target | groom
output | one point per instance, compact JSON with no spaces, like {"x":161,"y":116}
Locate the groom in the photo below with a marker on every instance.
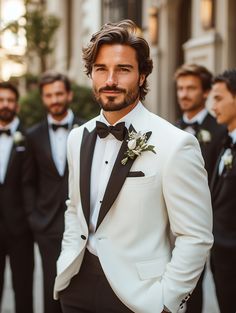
{"x":134,"y":180}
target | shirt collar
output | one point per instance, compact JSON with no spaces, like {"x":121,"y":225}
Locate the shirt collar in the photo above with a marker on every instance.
{"x":199,"y":117}
{"x":67,"y":119}
{"x":233,"y":135}
{"x":13,"y":125}
{"x":128,"y":118}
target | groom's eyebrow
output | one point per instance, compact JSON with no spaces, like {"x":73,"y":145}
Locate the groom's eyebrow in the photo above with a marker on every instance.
{"x":118,"y":65}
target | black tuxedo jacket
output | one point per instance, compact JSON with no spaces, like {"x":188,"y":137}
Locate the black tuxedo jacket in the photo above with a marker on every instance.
{"x":224,"y":204}
{"x":210,"y":150}
{"x":16,"y":199}
{"x":51,"y":189}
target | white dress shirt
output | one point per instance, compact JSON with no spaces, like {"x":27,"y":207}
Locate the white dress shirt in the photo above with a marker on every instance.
{"x":199,"y":117}
{"x":58,"y":140}
{"x":105,"y":153}
{"x":6,"y":143}
{"x":227,"y":152}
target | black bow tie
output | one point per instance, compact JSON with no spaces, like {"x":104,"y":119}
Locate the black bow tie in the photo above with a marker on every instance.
{"x":194,"y":125}
{"x":118,"y":131}
{"x":56,"y":126}
{"x":5,"y":131}
{"x":228,"y":143}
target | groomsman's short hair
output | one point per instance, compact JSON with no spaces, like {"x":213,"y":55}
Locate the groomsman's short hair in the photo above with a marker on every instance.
{"x":196,"y":70}
{"x":229,"y":78}
{"x":10,"y":86}
{"x":125,"y":33}
{"x":50,"y":77}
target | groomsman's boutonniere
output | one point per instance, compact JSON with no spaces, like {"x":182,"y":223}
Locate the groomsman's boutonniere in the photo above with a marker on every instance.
{"x":137,"y":143}
{"x":18,"y":138}
{"x":204,"y":136}
{"x":227,"y":158}
{"x":75,"y":126}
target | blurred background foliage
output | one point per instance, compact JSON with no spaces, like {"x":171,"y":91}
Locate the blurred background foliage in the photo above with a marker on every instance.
{"x":39,"y":28}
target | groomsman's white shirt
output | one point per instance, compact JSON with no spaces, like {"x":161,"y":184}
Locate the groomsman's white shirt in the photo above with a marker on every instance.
{"x":6,"y":143}
{"x":197,"y":118}
{"x":58,"y":140}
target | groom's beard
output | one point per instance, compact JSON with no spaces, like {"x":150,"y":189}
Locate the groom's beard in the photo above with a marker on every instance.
{"x":111,"y":103}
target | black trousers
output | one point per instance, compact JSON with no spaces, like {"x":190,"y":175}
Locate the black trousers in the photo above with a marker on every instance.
{"x":223,"y":263}
{"x":49,"y":248}
{"x":90,"y":292}
{"x":194,"y":304}
{"x":20,"y":250}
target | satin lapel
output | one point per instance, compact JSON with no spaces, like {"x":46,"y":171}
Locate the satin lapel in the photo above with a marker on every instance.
{"x":46,"y":145}
{"x":86,"y":157}
{"x":75,"y":123}
{"x":214,"y":186}
{"x":117,"y":178}
{"x":12,"y":152}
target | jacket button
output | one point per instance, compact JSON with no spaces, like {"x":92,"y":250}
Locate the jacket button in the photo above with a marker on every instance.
{"x":83,"y":237}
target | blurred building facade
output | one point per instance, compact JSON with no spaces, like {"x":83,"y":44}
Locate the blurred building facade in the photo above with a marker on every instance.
{"x":178,"y":31}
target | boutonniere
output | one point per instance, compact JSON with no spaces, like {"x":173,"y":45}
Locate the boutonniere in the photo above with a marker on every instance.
{"x":75,"y":126}
{"x":18,"y":138}
{"x":204,"y":136}
{"x":137,"y":143}
{"x":227,"y":158}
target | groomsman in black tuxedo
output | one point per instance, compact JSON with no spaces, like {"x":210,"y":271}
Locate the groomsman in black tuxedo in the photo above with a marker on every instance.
{"x":224,"y":196}
{"x":16,"y":240}
{"x":48,"y":141}
{"x":193,"y":84}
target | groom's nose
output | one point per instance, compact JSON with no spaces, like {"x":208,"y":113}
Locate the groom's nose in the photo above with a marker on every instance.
{"x":112,"y":79}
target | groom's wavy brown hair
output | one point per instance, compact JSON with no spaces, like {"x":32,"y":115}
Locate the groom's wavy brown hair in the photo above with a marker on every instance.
{"x":125,"y":33}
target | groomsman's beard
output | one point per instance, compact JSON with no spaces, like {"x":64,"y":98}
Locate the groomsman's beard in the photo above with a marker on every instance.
{"x":110,"y":105}
{"x":62,"y":109}
{"x":7,"y":115}
{"x":194,"y":106}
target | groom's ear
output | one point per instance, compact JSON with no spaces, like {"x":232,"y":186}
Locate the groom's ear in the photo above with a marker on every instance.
{"x":141,"y":79}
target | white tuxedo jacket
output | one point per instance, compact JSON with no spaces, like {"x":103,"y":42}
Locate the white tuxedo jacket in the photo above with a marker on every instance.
{"x":137,"y":216}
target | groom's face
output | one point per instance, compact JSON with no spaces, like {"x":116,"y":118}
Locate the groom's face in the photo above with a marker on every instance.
{"x":116,"y":78}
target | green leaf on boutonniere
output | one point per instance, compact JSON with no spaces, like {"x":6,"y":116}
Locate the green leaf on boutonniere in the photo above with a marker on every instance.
{"x":137,"y":143}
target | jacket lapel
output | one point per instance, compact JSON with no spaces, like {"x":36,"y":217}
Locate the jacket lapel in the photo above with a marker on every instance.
{"x":12,"y":153}
{"x":117,"y":178}
{"x":215,"y":181}
{"x":86,"y":157}
{"x":46,"y":145}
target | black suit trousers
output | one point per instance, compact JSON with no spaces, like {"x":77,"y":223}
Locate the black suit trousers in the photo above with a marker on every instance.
{"x":90,"y":292}
{"x":49,"y":248}
{"x":223,"y":264}
{"x":20,"y":250}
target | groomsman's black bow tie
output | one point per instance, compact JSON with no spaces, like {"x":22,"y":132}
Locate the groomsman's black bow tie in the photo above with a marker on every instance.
{"x":228,"y":143}
{"x":194,"y":125}
{"x":56,"y":126}
{"x":118,"y":131}
{"x":5,"y":131}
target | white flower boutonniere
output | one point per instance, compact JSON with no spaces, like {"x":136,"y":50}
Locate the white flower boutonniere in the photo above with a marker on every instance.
{"x":227,"y":158}
{"x":75,"y":126}
{"x":204,"y":136}
{"x":18,"y":138}
{"x":137,"y":143}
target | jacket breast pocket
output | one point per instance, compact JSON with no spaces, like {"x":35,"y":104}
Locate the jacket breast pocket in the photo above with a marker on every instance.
{"x":153,"y":268}
{"x":141,"y":180}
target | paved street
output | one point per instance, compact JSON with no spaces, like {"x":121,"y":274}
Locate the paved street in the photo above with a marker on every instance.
{"x":210,"y":304}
